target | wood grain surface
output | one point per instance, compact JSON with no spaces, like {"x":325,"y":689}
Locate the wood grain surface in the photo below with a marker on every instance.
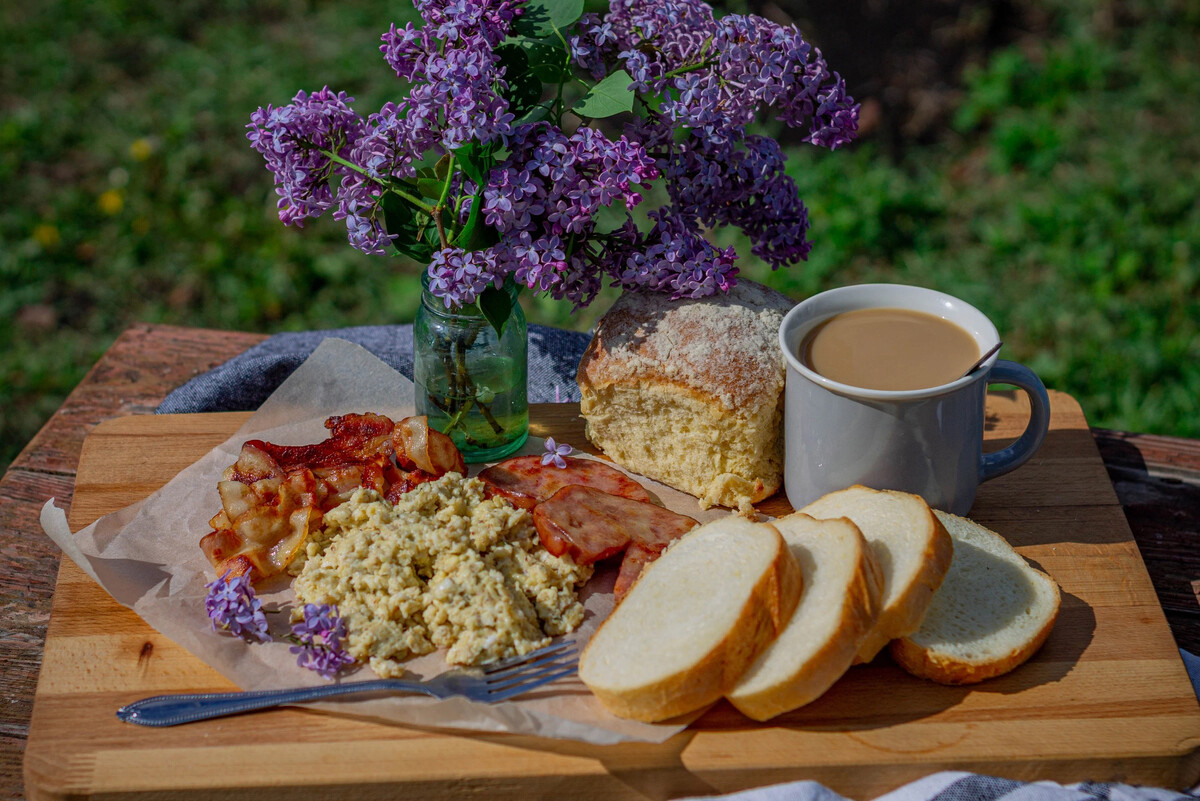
{"x":1106,"y":698}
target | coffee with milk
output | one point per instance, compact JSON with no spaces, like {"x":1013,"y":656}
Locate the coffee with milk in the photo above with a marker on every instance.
{"x":889,"y":349}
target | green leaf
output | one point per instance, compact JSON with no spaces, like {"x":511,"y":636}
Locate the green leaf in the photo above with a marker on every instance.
{"x":653,"y":102}
{"x":442,"y":167}
{"x":430,"y":187}
{"x":544,"y":17}
{"x":513,"y":58}
{"x":534,"y":114}
{"x":475,"y":161}
{"x":496,"y":307}
{"x":524,"y":92}
{"x":548,"y":60}
{"x":427,"y":161}
{"x":404,"y":222}
{"x":475,"y":235}
{"x":609,"y":97}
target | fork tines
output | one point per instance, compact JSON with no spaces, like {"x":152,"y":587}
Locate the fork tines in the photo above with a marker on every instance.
{"x":524,"y":673}
{"x":538,"y":657}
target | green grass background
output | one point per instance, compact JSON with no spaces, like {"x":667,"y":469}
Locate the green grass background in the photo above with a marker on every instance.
{"x":1061,"y":199}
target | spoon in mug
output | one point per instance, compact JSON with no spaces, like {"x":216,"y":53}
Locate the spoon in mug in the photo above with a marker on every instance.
{"x":983,"y":359}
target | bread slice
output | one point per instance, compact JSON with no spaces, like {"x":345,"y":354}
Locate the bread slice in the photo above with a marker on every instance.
{"x":842,"y":588}
{"x":694,"y":621}
{"x":993,"y":611}
{"x":913,"y":548}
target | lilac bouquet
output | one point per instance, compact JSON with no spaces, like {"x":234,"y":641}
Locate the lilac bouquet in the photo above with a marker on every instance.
{"x":531,"y":130}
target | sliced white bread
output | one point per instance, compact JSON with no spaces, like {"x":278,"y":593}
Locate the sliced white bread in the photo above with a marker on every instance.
{"x":842,"y":588}
{"x":694,"y":621}
{"x":993,"y":611}
{"x":913,"y":549}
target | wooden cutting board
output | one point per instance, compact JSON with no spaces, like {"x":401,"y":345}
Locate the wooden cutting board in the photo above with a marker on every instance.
{"x":1107,"y":698}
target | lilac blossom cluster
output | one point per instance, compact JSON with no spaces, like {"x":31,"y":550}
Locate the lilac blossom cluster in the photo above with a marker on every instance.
{"x":714,"y":75}
{"x":673,"y":257}
{"x":232,"y":606}
{"x":457,"y":80}
{"x":292,"y":139}
{"x":742,"y":184}
{"x":319,"y":637}
{"x":544,"y":201}
{"x":702,"y":81}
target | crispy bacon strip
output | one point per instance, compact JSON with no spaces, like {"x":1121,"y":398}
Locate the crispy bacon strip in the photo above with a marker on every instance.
{"x":275,"y":494}
{"x":353,"y":439}
{"x":526,"y":482}
{"x":426,"y":449}
{"x":269,"y":522}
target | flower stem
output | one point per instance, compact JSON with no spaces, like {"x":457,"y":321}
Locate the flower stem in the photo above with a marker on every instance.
{"x":391,"y":187}
{"x":699,"y":65}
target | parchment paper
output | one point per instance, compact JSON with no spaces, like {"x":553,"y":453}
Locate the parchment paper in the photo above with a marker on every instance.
{"x":147,"y":557}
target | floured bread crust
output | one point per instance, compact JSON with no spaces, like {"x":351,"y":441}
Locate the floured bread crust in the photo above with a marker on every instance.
{"x":690,"y":392}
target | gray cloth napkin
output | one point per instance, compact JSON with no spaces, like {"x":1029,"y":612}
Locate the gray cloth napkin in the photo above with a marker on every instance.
{"x":957,"y":786}
{"x":246,"y":380}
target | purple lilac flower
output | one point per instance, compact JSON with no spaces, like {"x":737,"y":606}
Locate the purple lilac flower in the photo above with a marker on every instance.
{"x":358,"y":204}
{"x":547,"y":194}
{"x":553,"y":184}
{"x":673,"y":257}
{"x":743,"y":185}
{"x":456,"y":77}
{"x":291,"y":139}
{"x":319,"y":641}
{"x":455,"y":98}
{"x":714,"y":75}
{"x":452,"y":18}
{"x":232,"y":606}
{"x":539,"y":265}
{"x":711,"y":77}
{"x":554,"y":453}
{"x":459,"y":276}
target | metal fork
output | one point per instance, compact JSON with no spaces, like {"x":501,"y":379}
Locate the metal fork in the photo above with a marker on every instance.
{"x":490,"y":684}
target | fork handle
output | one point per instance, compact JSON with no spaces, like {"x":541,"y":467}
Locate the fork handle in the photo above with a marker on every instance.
{"x":170,"y":710}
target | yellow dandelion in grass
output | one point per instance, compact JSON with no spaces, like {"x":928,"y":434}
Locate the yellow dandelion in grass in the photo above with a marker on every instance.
{"x":141,"y":149}
{"x":47,"y":235}
{"x":111,"y":202}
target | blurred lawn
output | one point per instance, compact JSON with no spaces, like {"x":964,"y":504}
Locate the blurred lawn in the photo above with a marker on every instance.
{"x":1062,"y":201}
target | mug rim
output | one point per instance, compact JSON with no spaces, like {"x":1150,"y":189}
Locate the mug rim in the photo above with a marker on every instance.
{"x":895,"y":395}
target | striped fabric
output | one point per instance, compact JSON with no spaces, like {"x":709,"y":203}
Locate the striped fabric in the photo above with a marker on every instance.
{"x":958,"y":786}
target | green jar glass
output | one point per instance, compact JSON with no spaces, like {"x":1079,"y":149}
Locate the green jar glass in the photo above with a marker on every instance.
{"x":470,"y":381}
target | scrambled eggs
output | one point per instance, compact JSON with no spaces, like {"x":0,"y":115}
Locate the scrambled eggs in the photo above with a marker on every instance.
{"x":443,"y":567}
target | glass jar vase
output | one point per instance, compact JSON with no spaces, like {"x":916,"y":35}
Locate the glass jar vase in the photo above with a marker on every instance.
{"x":470,"y":381}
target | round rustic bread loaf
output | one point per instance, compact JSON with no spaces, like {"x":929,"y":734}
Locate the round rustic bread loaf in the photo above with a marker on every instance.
{"x":690,"y":392}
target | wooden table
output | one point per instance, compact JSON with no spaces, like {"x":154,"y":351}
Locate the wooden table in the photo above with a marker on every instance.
{"x":1156,"y":478}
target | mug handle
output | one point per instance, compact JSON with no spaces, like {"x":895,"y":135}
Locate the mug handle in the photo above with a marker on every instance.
{"x":1015,"y":455}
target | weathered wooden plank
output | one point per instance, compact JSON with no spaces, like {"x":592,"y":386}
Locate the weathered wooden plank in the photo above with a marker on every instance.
{"x":144,"y":364}
{"x":27,"y":566}
{"x":136,"y":373}
{"x":1157,"y":480}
